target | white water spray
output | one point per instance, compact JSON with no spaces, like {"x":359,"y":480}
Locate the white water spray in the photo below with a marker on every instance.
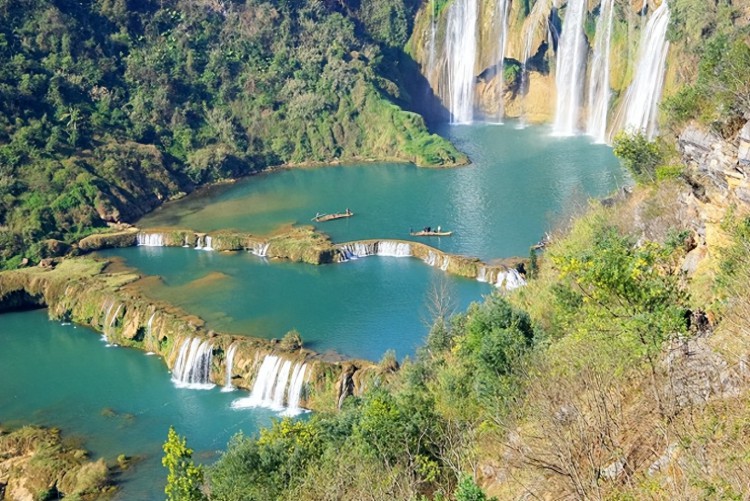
{"x":193,"y":366}
{"x":643,"y":95}
{"x":571,"y":62}
{"x":599,"y":91}
{"x":229,"y":363}
{"x":150,"y":239}
{"x":461,"y":52}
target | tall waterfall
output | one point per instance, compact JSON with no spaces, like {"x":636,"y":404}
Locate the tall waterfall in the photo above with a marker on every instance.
{"x":272,"y":388}
{"x":461,"y":53}
{"x":433,"y":37}
{"x":150,"y":239}
{"x":644,"y":93}
{"x":571,"y":62}
{"x":599,"y":90}
{"x":229,"y":362}
{"x":193,"y":366}
{"x":502,"y":11}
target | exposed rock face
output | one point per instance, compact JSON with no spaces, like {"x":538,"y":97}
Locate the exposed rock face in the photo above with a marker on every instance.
{"x":78,"y":291}
{"x":720,"y":168}
{"x":35,"y":465}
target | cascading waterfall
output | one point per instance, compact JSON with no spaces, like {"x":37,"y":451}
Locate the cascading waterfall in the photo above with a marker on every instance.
{"x":433,"y":37}
{"x":203,"y":242}
{"x":107,"y":305}
{"x":461,"y":52}
{"x":538,"y":20}
{"x":571,"y":61}
{"x":193,"y":366}
{"x":394,"y":249}
{"x":229,"y":363}
{"x":503,"y":11}
{"x":150,"y":239}
{"x":599,"y":91}
{"x":514,"y":280}
{"x":431,"y":258}
{"x":386,"y":248}
{"x":295,"y":390}
{"x":509,"y":280}
{"x":446,"y":262}
{"x":643,"y":95}
{"x":260,"y":249}
{"x":482,"y":274}
{"x":279,"y":391}
{"x":150,"y":324}
{"x":271,"y":390}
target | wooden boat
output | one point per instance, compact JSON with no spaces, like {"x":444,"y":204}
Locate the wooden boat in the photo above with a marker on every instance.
{"x":424,"y":233}
{"x":321,"y":218}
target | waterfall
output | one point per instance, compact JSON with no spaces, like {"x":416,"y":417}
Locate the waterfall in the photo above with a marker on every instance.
{"x":186,"y":242}
{"x":446,"y":262}
{"x":272,"y":388}
{"x":387,"y":248}
{"x":229,"y":363}
{"x":514,"y":280}
{"x":509,"y":280}
{"x":295,"y":390}
{"x":482,"y":274}
{"x":461,"y":52}
{"x":644,"y":93}
{"x":150,"y":324}
{"x":571,"y":61}
{"x":433,"y":36}
{"x":537,"y":20}
{"x":599,"y":92}
{"x":502,"y":11}
{"x":193,"y":366}
{"x":260,"y":249}
{"x":107,"y":305}
{"x":150,"y":239}
{"x":394,"y":249}
{"x":431,"y":258}
{"x":280,"y":387}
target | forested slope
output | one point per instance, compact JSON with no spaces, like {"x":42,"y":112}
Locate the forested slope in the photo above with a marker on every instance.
{"x":107,"y":108}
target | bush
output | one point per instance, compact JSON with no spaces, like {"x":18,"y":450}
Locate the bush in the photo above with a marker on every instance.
{"x":639,"y":155}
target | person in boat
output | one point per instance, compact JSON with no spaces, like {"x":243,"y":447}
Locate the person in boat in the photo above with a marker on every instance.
{"x":348,"y":212}
{"x":438,"y":229}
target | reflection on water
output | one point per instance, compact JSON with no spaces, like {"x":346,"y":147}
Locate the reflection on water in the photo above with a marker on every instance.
{"x":520,"y":183}
{"x":360,"y":308}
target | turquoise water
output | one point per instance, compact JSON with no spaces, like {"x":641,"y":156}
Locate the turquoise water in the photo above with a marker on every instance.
{"x":359,"y":308}
{"x":64,"y":376}
{"x":520,"y":184}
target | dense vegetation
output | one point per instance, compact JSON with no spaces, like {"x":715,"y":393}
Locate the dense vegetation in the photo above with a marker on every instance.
{"x":555,"y":396}
{"x":109,"y":107}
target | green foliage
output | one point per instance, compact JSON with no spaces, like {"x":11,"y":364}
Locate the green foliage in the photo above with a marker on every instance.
{"x":131,"y":106}
{"x":184,"y":479}
{"x":292,"y":341}
{"x":406,"y":436}
{"x":720,"y":93}
{"x":622,"y":291}
{"x":468,"y":490}
{"x":639,"y":155}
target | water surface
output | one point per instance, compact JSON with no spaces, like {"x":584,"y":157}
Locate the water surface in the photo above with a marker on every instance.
{"x":360,"y":308}
{"x":119,"y":400}
{"x":521,"y":182}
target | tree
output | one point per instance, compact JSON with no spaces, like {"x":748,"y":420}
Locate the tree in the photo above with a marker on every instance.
{"x":468,"y":490}
{"x":185,"y":478}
